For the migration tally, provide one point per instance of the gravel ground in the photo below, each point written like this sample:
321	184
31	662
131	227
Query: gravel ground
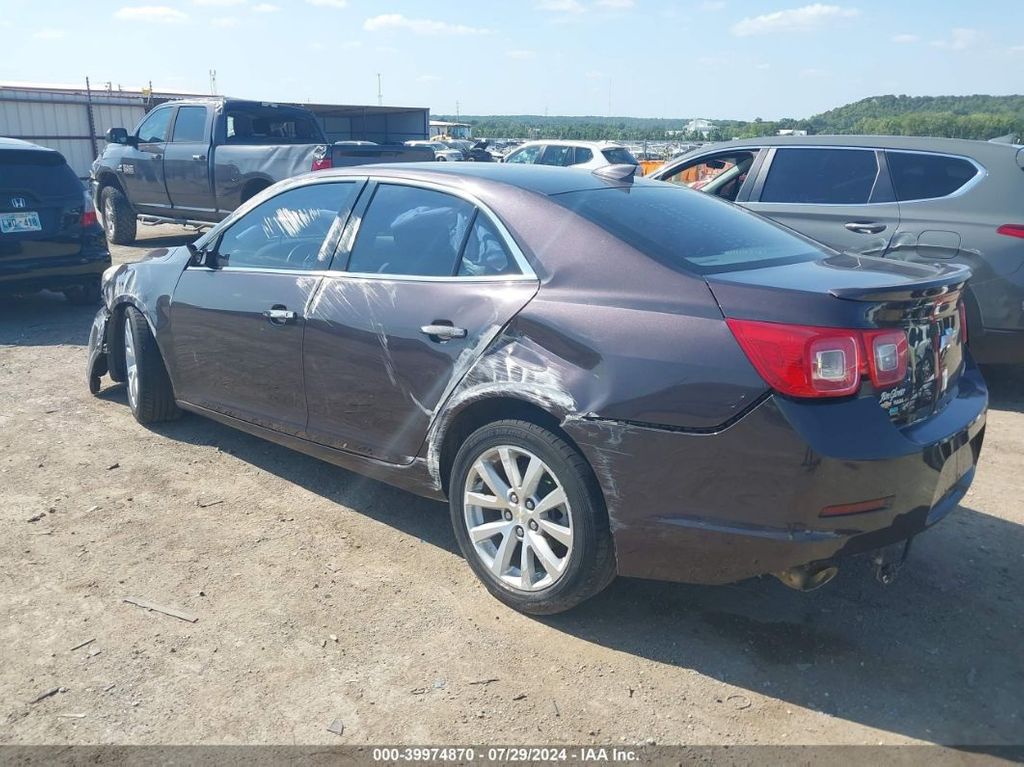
324	596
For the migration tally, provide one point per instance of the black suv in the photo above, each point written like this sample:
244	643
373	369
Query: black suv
49	236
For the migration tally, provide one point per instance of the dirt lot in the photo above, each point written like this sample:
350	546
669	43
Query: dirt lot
321	595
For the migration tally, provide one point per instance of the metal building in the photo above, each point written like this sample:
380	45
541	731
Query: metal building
74	120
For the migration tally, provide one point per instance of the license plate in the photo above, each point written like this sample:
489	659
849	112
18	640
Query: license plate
10	223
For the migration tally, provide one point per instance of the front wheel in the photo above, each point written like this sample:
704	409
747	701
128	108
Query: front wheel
529	518
119	219
150	395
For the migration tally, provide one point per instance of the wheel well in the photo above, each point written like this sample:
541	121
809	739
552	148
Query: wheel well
108	179
115	342
485	411
252	188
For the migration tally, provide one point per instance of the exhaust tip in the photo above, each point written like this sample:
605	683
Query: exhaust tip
808	577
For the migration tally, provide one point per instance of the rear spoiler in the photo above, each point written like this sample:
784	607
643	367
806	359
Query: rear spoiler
950	280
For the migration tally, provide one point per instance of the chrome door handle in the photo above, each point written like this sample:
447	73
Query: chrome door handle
865	227
199	157
279	316
443	332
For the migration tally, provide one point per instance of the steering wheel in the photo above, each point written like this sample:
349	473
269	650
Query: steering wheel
302	253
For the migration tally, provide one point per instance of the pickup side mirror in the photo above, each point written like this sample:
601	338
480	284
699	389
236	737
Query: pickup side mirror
117	136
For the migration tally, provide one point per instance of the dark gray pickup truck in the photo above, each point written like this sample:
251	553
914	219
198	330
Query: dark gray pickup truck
194	161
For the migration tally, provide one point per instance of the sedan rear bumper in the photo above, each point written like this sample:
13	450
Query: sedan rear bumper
747	500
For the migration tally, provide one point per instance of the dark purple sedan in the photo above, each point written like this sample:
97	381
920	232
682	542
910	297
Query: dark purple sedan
601	374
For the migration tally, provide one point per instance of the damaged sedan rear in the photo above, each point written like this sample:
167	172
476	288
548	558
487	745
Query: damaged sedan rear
601	375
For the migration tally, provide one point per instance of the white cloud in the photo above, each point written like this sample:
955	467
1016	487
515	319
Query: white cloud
560	6
418	26
904	39
813	72
221	3
1017	49
266	8
224	22
329	3
159	14
428	79
619	5
960	39
808	17
49	33
521	54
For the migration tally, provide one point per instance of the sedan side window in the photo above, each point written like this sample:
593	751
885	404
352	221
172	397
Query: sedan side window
821	176
411	231
154	128
527	156
286	231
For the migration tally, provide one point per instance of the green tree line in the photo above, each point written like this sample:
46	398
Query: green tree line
974	117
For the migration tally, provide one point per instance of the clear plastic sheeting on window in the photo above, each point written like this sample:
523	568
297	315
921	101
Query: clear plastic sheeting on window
485	254
287	231
411	231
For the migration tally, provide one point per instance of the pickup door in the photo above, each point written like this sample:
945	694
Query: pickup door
141	167
186	160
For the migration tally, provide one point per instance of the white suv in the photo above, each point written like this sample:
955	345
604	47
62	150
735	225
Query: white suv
577	154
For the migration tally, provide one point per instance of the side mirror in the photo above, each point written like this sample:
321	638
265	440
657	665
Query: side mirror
205	256
117	136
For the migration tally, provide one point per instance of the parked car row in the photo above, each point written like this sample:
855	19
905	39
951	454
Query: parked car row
602	374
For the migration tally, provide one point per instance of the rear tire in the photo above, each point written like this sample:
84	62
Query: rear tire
86	294
150	395
544	552
119	219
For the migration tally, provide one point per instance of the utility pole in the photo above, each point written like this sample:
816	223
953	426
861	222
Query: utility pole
380	92
456	111
213	82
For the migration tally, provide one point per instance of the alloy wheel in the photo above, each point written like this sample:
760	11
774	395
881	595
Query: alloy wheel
131	365
518	518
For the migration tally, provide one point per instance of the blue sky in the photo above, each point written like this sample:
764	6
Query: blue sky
652	58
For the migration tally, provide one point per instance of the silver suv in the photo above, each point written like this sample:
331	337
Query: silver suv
918	199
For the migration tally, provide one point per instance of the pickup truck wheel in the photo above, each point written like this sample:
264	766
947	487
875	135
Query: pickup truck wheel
118	217
150	395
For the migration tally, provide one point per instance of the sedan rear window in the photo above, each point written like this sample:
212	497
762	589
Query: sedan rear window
688	230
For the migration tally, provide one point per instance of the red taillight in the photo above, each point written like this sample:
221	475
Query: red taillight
886	356
1011	230
962	308
321	158
88	212
805	361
